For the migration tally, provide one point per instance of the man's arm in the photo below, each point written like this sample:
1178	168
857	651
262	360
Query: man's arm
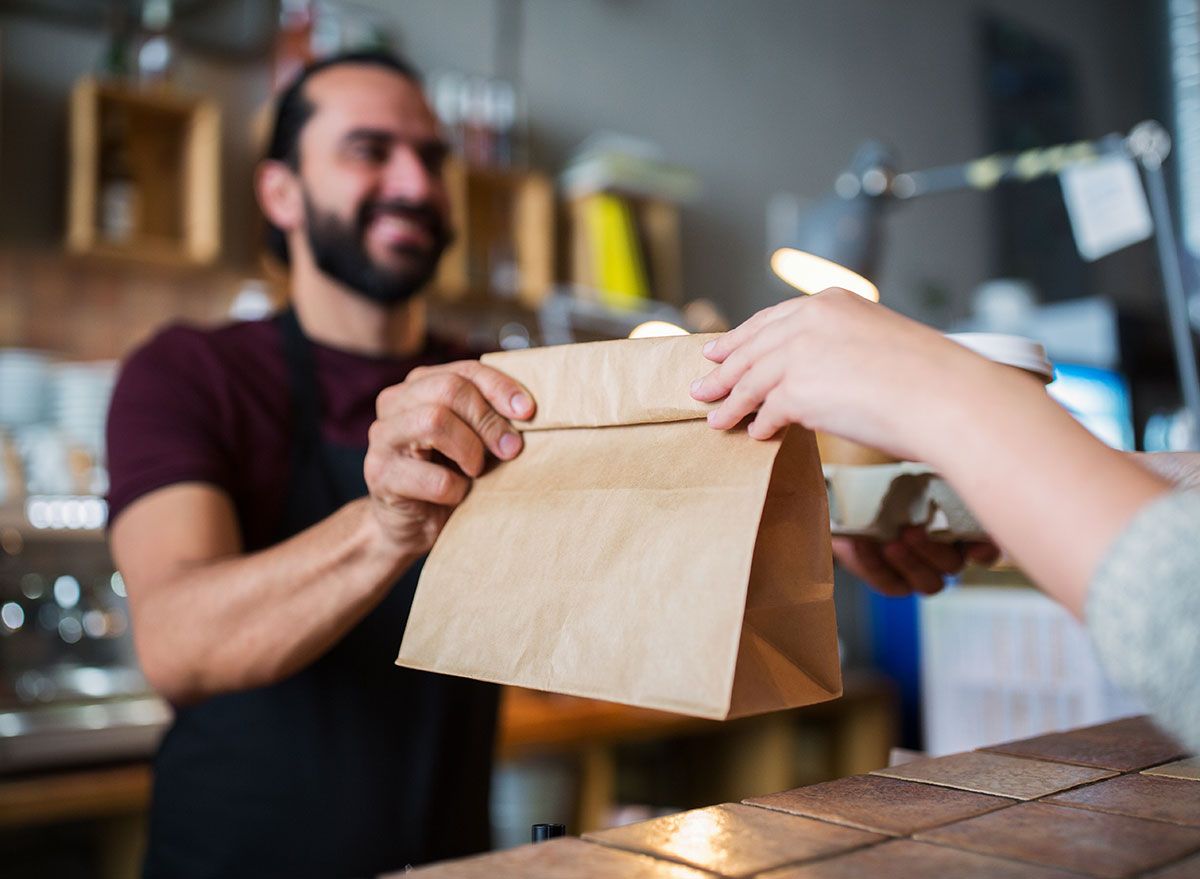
209	618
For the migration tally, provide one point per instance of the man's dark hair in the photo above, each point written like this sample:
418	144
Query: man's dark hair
293	109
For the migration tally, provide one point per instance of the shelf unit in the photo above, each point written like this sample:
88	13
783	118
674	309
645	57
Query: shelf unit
657	223
165	146
504	222
14	522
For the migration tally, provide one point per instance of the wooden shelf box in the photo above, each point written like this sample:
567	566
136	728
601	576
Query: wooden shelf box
658	233
144	174
504	236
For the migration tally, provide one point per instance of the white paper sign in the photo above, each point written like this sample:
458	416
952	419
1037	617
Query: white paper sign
1107	205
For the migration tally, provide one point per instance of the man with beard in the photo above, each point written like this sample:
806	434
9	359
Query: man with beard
275	486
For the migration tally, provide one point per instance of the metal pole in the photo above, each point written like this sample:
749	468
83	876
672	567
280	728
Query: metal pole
1149	143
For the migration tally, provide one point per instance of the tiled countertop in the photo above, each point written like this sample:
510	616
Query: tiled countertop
1110	801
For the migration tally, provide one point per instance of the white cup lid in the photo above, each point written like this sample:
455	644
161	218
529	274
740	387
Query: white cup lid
1010	350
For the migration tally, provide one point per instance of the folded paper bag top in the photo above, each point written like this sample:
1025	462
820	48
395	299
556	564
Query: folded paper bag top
631	553
601	384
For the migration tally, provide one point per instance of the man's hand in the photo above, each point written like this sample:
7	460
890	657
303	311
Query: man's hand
432	435
911	563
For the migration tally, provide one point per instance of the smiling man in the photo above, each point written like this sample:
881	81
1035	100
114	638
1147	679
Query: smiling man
275	486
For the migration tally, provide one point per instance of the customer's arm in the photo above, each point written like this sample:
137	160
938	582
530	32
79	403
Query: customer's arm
1143	611
1048	492
1100	533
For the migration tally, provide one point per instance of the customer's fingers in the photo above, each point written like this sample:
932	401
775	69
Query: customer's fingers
721	380
720	348
751	390
770	418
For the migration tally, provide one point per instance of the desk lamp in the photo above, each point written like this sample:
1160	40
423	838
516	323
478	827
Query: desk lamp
838	240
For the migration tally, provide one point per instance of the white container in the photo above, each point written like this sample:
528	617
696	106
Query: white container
1016	351
82	393
1002	663
23	383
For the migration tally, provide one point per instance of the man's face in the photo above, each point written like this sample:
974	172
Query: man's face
376	216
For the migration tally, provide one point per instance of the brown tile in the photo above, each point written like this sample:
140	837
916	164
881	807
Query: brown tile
1142	796
1108	846
997	774
1188	769
734	840
885	805
904	859
557	859
1188	868
1131	743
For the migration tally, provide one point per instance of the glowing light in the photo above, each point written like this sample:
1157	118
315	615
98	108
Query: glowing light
12	615
812	274
656	328
70	630
66	591
95	624
33	586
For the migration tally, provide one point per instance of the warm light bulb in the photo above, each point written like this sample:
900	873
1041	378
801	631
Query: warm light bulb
812	274
653	328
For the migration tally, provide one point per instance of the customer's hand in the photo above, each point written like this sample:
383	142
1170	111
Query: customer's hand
911	563
837	363
432	435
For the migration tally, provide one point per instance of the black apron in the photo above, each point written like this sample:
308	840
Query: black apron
352	766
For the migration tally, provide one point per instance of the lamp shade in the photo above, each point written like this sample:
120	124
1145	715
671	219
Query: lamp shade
810	273
837	240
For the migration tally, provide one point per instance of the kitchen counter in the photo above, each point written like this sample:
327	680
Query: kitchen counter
70	795
54	736
1114	801
39	745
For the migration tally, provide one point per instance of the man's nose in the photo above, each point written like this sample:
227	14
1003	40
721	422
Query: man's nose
406	176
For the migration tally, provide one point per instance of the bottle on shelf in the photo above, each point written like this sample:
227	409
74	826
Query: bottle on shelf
155	56
119	201
293	42
115	60
484	119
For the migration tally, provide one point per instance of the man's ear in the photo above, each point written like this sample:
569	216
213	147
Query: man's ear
277	188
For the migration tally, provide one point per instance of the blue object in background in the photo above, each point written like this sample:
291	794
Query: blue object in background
896	651
1098	399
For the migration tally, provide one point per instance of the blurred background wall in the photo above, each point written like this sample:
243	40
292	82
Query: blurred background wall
758	99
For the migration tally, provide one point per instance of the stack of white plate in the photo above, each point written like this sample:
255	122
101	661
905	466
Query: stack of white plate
82	392
24	376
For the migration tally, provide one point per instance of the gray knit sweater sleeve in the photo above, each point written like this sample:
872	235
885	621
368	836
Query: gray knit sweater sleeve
1143	612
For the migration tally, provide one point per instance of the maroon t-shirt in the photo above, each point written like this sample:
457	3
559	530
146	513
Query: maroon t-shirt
214	406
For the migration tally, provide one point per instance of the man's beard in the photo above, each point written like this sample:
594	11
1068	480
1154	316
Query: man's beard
339	249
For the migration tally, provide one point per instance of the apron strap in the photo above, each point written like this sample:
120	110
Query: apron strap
306	402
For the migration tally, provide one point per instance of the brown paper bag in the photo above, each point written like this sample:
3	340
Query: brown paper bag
631	553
